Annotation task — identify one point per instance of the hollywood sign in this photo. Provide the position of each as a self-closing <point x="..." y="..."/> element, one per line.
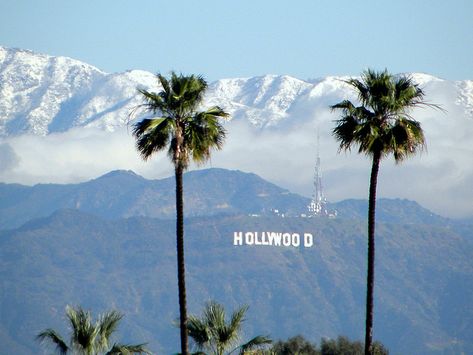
<point x="273" y="239"/>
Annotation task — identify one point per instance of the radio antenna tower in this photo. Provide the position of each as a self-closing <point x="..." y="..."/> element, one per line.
<point x="317" y="205"/>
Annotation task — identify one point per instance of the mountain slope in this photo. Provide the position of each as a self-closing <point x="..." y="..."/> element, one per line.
<point x="125" y="194"/>
<point x="397" y="211"/>
<point x="424" y="279"/>
<point x="41" y="94"/>
<point x="207" y="192"/>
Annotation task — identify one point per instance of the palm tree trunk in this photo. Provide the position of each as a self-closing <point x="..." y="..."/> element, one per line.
<point x="371" y="254"/>
<point x="180" y="258"/>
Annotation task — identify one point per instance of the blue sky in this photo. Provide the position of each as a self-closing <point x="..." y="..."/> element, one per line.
<point x="220" y="39"/>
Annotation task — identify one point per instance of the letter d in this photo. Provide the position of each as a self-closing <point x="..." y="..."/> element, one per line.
<point x="308" y="240"/>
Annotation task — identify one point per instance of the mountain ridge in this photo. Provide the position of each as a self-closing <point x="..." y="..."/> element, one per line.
<point x="42" y="94"/>
<point x="207" y="192"/>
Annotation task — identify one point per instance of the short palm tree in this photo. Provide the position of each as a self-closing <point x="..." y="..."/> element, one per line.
<point x="214" y="336"/>
<point x="381" y="125"/>
<point x="88" y="337"/>
<point x="187" y="134"/>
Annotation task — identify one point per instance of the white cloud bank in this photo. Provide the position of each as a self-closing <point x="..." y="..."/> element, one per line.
<point x="440" y="179"/>
<point x="77" y="155"/>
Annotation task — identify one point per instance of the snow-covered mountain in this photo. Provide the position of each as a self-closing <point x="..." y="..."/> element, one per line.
<point x="41" y="94"/>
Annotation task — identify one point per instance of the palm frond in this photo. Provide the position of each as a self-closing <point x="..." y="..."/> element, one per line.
<point x="238" y="317"/>
<point x="53" y="337"/>
<point x="186" y="93"/>
<point x="346" y="106"/>
<point x="152" y="135"/>
<point x="228" y="334"/>
<point x="361" y="89"/>
<point x="407" y="138"/>
<point x="198" y="331"/>
<point x="214" y="334"/>
<point x="255" y="343"/>
<point x="88" y="337"/>
<point x="344" y="131"/>
<point x="164" y="82"/>
<point x="204" y="132"/>
<point x="127" y="349"/>
<point x="107" y="325"/>
<point x="214" y="315"/>
<point x="153" y="102"/>
<point x="84" y="332"/>
<point x="176" y="105"/>
<point x="380" y="123"/>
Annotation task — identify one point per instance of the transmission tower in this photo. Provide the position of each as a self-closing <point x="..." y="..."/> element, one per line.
<point x="318" y="203"/>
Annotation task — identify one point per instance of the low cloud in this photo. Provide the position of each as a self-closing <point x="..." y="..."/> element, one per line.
<point x="77" y="155"/>
<point x="441" y="179"/>
<point x="8" y="158"/>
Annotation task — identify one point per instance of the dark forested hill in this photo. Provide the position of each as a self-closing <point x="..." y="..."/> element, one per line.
<point x="124" y="194"/>
<point x="423" y="291"/>
<point x="208" y="192"/>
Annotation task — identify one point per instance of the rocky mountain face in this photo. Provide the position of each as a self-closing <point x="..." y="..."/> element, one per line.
<point x="41" y="94"/>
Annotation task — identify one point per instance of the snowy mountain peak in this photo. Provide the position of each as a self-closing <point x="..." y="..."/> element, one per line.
<point x="423" y="79"/>
<point x="41" y="94"/>
<point x="34" y="87"/>
<point x="263" y="100"/>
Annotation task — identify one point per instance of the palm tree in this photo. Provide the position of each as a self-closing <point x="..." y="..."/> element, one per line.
<point x="88" y="337"/>
<point x="187" y="134"/>
<point x="380" y="126"/>
<point x="211" y="332"/>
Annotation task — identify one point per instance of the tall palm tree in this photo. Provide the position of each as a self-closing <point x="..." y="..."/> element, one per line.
<point x="88" y="337"/>
<point x="211" y="332"/>
<point x="187" y="134"/>
<point x="381" y="125"/>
